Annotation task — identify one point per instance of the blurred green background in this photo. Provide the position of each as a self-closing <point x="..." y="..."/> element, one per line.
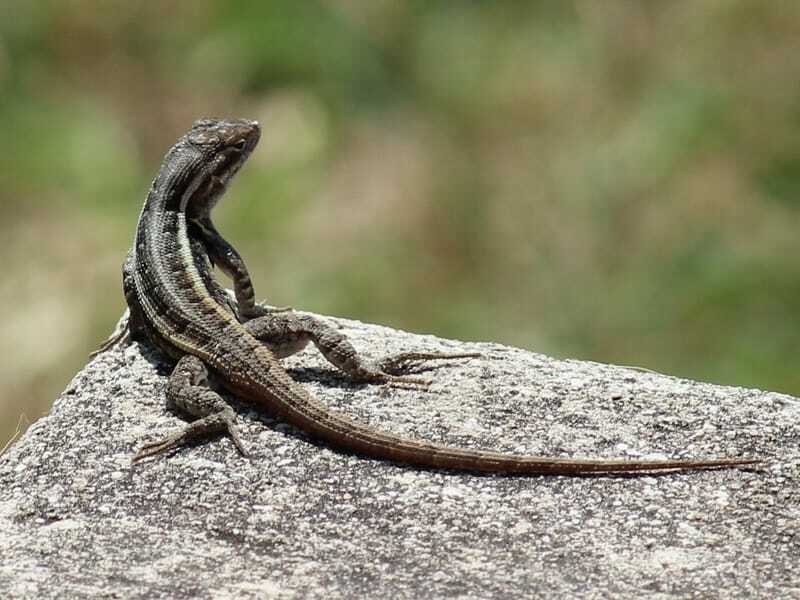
<point x="616" y="181"/>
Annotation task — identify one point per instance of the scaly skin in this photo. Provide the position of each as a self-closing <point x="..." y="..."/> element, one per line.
<point x="177" y="304"/>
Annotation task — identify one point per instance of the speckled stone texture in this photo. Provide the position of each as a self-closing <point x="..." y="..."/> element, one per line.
<point x="301" y="520"/>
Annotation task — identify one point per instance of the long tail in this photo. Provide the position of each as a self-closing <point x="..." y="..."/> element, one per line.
<point x="282" y="395"/>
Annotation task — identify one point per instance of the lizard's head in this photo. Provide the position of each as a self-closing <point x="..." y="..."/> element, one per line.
<point x="219" y="136"/>
<point x="218" y="148"/>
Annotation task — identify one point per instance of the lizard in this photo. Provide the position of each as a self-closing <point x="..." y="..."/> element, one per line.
<point x="176" y="304"/>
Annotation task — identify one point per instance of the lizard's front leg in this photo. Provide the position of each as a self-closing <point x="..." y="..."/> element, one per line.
<point x="286" y="334"/>
<point x="225" y="256"/>
<point x="188" y="390"/>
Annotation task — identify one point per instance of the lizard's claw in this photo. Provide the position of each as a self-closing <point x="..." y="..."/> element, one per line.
<point x="218" y="422"/>
<point x="120" y="336"/>
<point x="154" y="448"/>
<point x="389" y="366"/>
<point x="399" y="361"/>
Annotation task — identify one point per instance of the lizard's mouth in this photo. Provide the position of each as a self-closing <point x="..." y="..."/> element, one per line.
<point x="252" y="133"/>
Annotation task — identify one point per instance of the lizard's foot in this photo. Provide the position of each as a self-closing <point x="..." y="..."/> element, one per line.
<point x="390" y="365"/>
<point x="216" y="423"/>
<point x="400" y="361"/>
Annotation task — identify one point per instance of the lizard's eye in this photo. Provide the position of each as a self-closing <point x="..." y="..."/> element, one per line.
<point x="240" y="145"/>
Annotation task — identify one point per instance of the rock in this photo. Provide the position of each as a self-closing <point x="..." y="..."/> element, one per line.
<point x="300" y="519"/>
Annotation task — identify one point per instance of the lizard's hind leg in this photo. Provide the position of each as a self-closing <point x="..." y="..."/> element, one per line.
<point x="188" y="390"/>
<point x="288" y="333"/>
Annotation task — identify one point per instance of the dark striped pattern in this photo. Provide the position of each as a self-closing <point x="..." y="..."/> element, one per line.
<point x="182" y="316"/>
